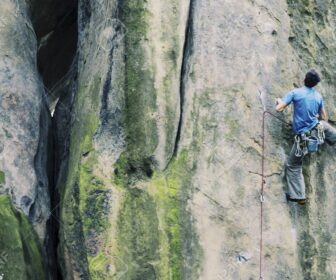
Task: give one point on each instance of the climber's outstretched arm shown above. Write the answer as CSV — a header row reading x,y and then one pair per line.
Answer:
x,y
280,104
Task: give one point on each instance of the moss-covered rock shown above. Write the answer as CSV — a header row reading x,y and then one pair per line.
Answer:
x,y
155,237
21,256
139,84
119,221
138,238
75,192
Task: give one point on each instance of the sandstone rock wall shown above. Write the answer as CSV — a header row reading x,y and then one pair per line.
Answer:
x,y
157,138
186,175
24,123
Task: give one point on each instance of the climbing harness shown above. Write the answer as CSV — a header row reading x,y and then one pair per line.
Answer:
x,y
262,197
308,142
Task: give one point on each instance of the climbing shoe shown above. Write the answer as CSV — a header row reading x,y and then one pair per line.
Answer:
x,y
301,201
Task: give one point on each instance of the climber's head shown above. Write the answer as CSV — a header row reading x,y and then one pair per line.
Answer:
x,y
312,78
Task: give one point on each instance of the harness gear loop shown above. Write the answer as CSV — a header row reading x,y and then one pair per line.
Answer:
x,y
298,151
320,133
301,140
304,148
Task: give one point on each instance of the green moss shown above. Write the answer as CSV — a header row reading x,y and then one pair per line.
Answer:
x,y
77,195
184,252
154,239
129,171
138,238
140,122
2,178
93,194
21,256
156,221
99,267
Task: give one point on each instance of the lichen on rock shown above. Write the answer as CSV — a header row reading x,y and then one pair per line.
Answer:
x,y
21,252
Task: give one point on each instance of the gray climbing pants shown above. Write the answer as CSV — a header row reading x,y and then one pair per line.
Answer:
x,y
294,175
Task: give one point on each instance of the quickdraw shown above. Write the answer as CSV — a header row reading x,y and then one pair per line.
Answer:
x,y
299,152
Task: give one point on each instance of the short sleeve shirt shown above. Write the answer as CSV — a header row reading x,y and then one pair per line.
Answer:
x,y
307,105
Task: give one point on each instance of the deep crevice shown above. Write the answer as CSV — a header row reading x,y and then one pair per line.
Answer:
x,y
56,27
187,52
56,51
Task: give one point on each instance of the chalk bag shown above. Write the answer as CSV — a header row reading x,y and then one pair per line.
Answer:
x,y
312,144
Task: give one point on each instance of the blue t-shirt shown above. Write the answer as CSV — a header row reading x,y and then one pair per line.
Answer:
x,y
307,104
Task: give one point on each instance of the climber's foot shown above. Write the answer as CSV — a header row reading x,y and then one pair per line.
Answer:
x,y
301,201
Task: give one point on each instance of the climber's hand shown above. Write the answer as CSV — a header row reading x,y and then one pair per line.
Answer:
x,y
280,105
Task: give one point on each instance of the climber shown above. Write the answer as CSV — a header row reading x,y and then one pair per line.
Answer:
x,y
311,128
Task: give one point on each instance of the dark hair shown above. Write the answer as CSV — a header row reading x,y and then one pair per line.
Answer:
x,y
312,78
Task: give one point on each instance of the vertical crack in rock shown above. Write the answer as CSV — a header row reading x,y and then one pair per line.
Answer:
x,y
187,52
55,25
43,163
56,50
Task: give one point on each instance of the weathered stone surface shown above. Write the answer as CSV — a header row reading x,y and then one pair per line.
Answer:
x,y
24,128
20,250
257,52
158,136
164,166
24,117
124,124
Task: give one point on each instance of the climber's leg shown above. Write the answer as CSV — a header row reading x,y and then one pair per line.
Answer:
x,y
294,176
330,133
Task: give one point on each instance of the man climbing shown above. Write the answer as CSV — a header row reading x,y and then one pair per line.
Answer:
x,y
310,127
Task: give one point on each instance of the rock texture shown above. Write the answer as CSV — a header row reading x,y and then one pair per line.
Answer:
x,y
24,121
24,124
165,144
157,138
124,123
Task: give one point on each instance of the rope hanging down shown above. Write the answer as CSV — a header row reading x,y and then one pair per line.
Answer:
x,y
262,200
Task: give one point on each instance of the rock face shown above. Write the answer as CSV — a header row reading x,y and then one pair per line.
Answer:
x,y
157,138
24,124
24,121
115,198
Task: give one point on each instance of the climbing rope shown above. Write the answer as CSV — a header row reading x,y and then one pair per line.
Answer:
x,y
262,199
